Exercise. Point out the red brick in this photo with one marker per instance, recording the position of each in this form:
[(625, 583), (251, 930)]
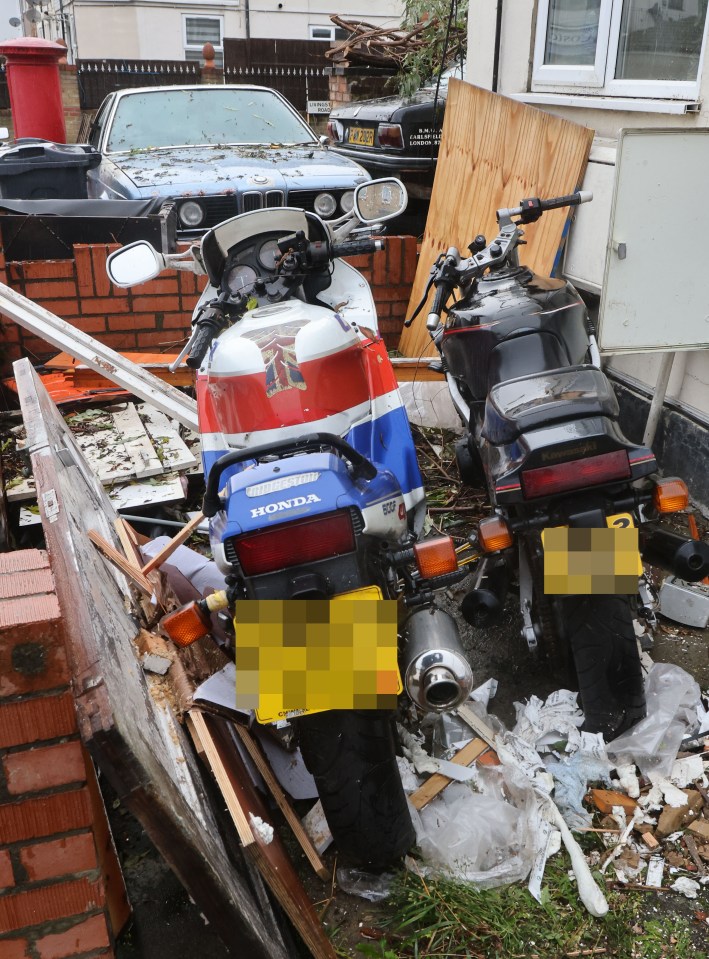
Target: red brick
[(389, 293), (190, 284), (164, 284), (86, 936), (14, 948), (44, 767), (84, 270), (380, 268), (7, 877), (156, 304), (32, 654), (22, 559), (14, 273), (50, 289), (99, 255), (120, 341), (47, 903), (128, 322), (59, 857), (45, 816), (106, 305), (48, 269), (90, 324), (64, 309), (361, 262), (170, 339), (9, 333), (36, 347), (26, 583), (177, 321), (33, 720)]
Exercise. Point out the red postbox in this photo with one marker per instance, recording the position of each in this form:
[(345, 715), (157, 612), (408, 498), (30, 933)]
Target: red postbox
[(34, 87)]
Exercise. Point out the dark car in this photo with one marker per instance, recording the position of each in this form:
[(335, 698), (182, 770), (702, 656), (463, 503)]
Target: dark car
[(217, 151)]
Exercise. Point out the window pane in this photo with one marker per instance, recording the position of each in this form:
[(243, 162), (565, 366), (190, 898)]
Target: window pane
[(660, 41), (203, 30), (572, 31)]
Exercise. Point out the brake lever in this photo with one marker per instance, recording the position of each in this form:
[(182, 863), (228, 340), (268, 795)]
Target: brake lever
[(432, 277)]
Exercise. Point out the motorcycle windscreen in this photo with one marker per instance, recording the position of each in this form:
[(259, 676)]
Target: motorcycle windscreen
[(290, 374)]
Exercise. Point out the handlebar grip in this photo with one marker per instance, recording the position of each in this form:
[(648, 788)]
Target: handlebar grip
[(573, 199), (201, 344), (355, 247)]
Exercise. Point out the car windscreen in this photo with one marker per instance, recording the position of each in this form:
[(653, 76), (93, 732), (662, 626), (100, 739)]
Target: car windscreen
[(165, 118)]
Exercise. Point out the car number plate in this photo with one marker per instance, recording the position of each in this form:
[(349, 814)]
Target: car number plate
[(361, 136), (592, 561)]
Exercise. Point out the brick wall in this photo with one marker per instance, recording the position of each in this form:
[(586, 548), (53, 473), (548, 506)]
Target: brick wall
[(347, 84), (52, 892), (68, 81), (156, 315)]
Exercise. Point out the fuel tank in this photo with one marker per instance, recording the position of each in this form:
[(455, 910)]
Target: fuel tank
[(513, 324)]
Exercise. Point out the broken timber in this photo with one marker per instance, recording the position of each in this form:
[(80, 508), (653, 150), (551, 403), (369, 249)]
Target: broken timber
[(128, 727), (98, 357), (475, 751)]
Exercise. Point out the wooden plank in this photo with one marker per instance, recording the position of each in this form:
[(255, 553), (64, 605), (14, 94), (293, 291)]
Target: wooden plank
[(124, 717), (475, 751), (136, 441), (494, 152), (270, 857), (170, 547), (165, 435), (282, 802), (414, 371), (112, 554), (102, 444)]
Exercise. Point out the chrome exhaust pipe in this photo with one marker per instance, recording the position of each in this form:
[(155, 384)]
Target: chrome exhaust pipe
[(437, 675)]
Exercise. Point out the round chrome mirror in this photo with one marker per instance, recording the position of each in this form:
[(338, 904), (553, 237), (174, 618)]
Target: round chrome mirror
[(136, 263), (380, 200)]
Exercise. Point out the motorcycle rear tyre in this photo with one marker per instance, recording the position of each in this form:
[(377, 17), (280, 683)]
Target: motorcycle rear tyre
[(352, 757), (605, 652)]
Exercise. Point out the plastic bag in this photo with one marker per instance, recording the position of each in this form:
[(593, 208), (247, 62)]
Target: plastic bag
[(488, 838), (652, 744), (571, 779), (366, 885)]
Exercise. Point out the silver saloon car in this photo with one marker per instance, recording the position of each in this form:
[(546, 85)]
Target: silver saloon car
[(216, 151)]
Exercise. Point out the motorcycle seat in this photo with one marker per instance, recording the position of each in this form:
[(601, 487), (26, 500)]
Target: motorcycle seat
[(529, 402)]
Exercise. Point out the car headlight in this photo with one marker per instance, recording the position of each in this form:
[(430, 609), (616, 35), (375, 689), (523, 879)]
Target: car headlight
[(325, 204), (191, 213), (347, 201)]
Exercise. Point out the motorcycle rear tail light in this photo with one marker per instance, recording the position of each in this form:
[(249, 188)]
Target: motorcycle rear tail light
[(294, 544), (435, 557), (390, 135), (494, 534), (187, 624), (670, 495), (576, 474)]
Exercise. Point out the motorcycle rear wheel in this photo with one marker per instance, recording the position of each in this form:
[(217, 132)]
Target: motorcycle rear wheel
[(352, 757), (600, 633)]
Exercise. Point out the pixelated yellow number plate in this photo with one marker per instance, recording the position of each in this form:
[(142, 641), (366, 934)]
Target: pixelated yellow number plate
[(592, 561), (301, 656)]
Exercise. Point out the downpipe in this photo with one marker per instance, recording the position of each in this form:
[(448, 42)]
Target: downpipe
[(437, 674), (687, 558)]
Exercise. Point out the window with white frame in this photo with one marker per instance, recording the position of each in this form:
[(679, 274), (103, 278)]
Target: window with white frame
[(632, 48), (321, 32), (201, 30)]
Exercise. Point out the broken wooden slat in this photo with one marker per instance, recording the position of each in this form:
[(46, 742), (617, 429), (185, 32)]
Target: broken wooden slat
[(495, 151), (274, 786), (475, 751), (123, 715), (126, 567), (270, 857), (170, 547), (172, 451), (605, 799), (102, 444), (137, 443)]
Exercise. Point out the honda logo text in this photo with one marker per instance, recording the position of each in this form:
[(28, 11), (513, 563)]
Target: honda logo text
[(284, 504)]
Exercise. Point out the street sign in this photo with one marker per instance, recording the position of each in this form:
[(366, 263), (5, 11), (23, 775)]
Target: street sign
[(318, 106)]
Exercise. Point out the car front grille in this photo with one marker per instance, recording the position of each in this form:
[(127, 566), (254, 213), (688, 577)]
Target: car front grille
[(305, 199), (255, 200), (218, 208)]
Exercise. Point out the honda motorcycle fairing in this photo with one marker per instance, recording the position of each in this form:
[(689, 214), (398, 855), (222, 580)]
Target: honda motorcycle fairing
[(312, 484)]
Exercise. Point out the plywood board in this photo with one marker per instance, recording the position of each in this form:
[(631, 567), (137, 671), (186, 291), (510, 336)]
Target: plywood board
[(494, 152)]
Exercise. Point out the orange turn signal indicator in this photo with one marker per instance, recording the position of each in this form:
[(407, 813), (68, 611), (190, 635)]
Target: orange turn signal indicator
[(436, 557), (494, 534), (670, 495), (192, 621)]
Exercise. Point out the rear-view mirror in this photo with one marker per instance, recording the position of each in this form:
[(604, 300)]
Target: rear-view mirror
[(380, 200), (136, 263)]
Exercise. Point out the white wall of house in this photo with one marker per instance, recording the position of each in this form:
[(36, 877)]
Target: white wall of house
[(154, 29), (607, 110)]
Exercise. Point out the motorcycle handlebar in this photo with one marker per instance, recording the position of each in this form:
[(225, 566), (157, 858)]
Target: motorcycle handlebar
[(355, 247), (533, 207), (207, 329)]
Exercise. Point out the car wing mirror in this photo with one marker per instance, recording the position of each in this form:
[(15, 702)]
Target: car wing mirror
[(380, 200), (136, 263)]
